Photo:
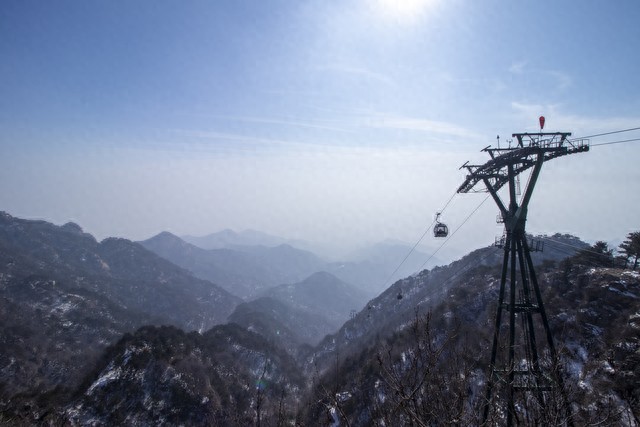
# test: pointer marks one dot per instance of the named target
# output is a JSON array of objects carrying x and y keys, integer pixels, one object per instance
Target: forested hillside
[{"x": 109, "y": 333}]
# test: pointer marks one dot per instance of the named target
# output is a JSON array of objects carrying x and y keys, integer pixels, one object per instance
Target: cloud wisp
[
  {"x": 358, "y": 72},
  {"x": 310, "y": 124},
  {"x": 391, "y": 121},
  {"x": 559, "y": 79}
]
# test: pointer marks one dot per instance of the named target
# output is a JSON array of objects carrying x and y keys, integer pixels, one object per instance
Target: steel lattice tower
[{"x": 518, "y": 367}]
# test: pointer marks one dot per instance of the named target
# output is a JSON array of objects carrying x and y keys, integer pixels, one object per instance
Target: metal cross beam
[{"x": 530, "y": 148}]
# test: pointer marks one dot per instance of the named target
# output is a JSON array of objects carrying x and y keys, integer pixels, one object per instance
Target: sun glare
[{"x": 403, "y": 11}]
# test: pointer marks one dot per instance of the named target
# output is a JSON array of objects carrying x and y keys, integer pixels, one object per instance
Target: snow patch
[
  {"x": 343, "y": 396},
  {"x": 607, "y": 367},
  {"x": 624, "y": 293},
  {"x": 595, "y": 330},
  {"x": 64, "y": 307},
  {"x": 111, "y": 375},
  {"x": 584, "y": 385},
  {"x": 334, "y": 416}
]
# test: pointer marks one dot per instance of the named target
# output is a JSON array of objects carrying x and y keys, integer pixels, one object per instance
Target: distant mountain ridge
[
  {"x": 302, "y": 313},
  {"x": 228, "y": 238},
  {"x": 246, "y": 270},
  {"x": 64, "y": 297},
  {"x": 281, "y": 323},
  {"x": 592, "y": 312},
  {"x": 372, "y": 267},
  {"x": 121, "y": 270},
  {"x": 243, "y": 271},
  {"x": 73, "y": 348},
  {"x": 324, "y": 294},
  {"x": 397, "y": 304}
]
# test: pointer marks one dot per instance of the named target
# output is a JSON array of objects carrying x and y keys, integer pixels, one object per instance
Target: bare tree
[{"x": 428, "y": 381}]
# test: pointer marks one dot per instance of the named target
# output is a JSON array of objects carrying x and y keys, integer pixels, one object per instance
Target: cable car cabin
[{"x": 440, "y": 230}]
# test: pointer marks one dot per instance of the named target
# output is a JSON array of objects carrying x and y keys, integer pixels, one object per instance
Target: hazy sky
[{"x": 333, "y": 121}]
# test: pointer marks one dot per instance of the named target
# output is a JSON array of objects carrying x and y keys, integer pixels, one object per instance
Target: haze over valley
[
  {"x": 78, "y": 346},
  {"x": 360, "y": 213}
]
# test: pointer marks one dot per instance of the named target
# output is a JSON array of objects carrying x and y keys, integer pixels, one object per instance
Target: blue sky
[{"x": 335, "y": 121}]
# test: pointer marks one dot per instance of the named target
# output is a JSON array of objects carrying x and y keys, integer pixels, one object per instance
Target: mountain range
[
  {"x": 246, "y": 264},
  {"x": 228, "y": 239},
  {"x": 166, "y": 376},
  {"x": 302, "y": 313},
  {"x": 433, "y": 345},
  {"x": 64, "y": 297},
  {"x": 109, "y": 332},
  {"x": 244, "y": 270}
]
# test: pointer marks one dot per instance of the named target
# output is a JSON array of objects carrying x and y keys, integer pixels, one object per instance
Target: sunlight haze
[{"x": 340, "y": 123}]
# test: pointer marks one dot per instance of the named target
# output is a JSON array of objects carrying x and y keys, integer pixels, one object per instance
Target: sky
[{"x": 338, "y": 122}]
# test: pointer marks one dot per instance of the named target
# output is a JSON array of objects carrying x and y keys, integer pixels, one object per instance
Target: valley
[
  {"x": 110, "y": 333},
  {"x": 348, "y": 213}
]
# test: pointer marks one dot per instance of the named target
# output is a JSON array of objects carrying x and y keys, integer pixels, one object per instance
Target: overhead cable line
[
  {"x": 616, "y": 142},
  {"x": 478, "y": 261},
  {"x": 466, "y": 267},
  {"x": 469, "y": 264},
  {"x": 609, "y": 133},
  {"x": 578, "y": 248},
  {"x": 418, "y": 242},
  {"x": 451, "y": 198},
  {"x": 586, "y": 262},
  {"x": 454, "y": 232}
]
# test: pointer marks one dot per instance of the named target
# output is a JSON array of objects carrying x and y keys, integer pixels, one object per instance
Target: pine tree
[
  {"x": 597, "y": 255},
  {"x": 630, "y": 248}
]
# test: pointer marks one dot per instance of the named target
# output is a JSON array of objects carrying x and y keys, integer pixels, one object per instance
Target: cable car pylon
[{"x": 519, "y": 381}]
